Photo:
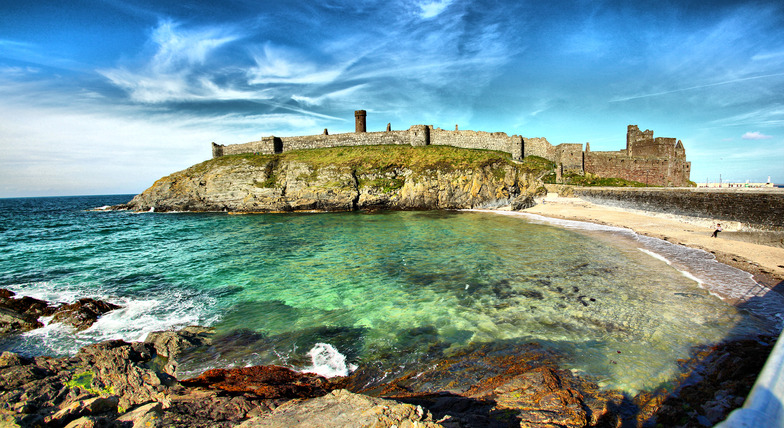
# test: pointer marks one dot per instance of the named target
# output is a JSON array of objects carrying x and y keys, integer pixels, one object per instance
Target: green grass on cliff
[
  {"x": 368, "y": 159},
  {"x": 590, "y": 180}
]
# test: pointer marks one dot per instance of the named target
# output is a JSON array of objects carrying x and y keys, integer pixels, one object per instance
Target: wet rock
[
  {"x": 20, "y": 314},
  {"x": 14, "y": 322},
  {"x": 342, "y": 408},
  {"x": 83, "y": 313},
  {"x": 263, "y": 381},
  {"x": 24, "y": 305},
  {"x": 173, "y": 344}
]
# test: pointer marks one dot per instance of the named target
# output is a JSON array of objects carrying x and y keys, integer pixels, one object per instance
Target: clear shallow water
[{"x": 379, "y": 288}]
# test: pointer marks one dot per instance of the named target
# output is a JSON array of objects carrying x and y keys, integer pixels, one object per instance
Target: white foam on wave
[
  {"x": 48, "y": 292},
  {"x": 328, "y": 361},
  {"x": 136, "y": 318},
  {"x": 656, "y": 256}
]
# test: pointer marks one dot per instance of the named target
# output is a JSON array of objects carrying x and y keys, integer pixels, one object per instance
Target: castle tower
[{"x": 360, "y": 124}]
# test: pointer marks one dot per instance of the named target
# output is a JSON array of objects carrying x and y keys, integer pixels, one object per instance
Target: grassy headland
[{"x": 383, "y": 158}]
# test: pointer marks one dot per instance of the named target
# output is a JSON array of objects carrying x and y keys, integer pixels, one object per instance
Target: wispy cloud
[
  {"x": 431, "y": 9},
  {"x": 279, "y": 65},
  {"x": 766, "y": 116},
  {"x": 756, "y": 135},
  {"x": 343, "y": 95},
  {"x": 177, "y": 72},
  {"x": 691, "y": 88}
]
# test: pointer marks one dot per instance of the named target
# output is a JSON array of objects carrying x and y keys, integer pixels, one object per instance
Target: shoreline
[{"x": 764, "y": 263}]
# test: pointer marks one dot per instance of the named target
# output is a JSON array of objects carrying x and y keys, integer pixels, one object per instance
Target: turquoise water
[{"x": 381, "y": 288}]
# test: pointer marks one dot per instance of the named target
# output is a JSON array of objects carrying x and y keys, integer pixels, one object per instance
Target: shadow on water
[
  {"x": 719, "y": 378},
  {"x": 779, "y": 288}
]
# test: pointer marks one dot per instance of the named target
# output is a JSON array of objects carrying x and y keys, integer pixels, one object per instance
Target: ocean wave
[
  {"x": 328, "y": 361},
  {"x": 136, "y": 318}
]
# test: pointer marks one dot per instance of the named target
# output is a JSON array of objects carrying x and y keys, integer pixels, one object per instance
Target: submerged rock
[{"x": 171, "y": 345}]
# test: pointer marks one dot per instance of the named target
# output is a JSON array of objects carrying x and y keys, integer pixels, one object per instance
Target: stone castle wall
[
  {"x": 417, "y": 135},
  {"x": 658, "y": 171},
  {"x": 569, "y": 157},
  {"x": 271, "y": 145},
  {"x": 654, "y": 161},
  {"x": 478, "y": 140},
  {"x": 538, "y": 147}
]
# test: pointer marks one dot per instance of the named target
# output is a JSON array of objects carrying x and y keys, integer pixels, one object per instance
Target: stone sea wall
[{"x": 755, "y": 209}]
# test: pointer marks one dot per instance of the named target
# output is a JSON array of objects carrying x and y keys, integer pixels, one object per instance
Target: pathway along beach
[{"x": 765, "y": 262}]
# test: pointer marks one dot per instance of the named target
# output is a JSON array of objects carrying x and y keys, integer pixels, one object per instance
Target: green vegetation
[
  {"x": 375, "y": 158},
  {"x": 590, "y": 180},
  {"x": 384, "y": 184},
  {"x": 377, "y": 161},
  {"x": 536, "y": 164},
  {"x": 84, "y": 381}
]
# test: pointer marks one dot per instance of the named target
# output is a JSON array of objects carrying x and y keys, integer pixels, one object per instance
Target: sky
[{"x": 107, "y": 96}]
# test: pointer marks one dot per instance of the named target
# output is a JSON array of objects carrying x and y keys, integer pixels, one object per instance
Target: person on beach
[{"x": 716, "y": 232}]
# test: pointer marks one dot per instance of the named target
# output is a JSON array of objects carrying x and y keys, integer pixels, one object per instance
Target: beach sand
[{"x": 765, "y": 262}]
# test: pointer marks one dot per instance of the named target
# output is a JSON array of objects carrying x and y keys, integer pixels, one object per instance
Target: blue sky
[{"x": 107, "y": 96}]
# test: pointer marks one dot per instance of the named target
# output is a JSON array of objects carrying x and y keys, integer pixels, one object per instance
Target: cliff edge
[{"x": 348, "y": 178}]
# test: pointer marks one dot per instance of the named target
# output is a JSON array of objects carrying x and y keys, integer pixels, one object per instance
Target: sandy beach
[{"x": 765, "y": 262}]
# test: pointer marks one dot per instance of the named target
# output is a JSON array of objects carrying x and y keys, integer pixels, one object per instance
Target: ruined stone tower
[{"x": 360, "y": 117}]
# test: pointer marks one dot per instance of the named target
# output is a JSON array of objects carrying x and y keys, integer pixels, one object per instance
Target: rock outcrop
[
  {"x": 267, "y": 184},
  {"x": 83, "y": 313},
  {"x": 263, "y": 381},
  {"x": 21, "y": 314}
]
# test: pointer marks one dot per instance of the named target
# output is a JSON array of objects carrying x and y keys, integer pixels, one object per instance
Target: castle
[{"x": 654, "y": 161}]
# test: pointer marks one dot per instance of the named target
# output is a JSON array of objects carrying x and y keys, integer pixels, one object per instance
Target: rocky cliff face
[{"x": 241, "y": 184}]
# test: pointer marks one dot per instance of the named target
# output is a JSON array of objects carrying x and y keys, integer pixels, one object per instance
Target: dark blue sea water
[{"x": 379, "y": 288}]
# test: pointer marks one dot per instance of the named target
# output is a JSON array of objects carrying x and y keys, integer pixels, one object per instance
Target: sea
[{"x": 331, "y": 292}]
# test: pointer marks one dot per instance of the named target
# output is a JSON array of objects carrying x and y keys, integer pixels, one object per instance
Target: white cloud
[
  {"x": 432, "y": 9},
  {"x": 280, "y": 65},
  {"x": 343, "y": 95},
  {"x": 756, "y": 135},
  {"x": 177, "y": 72},
  {"x": 79, "y": 149}
]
